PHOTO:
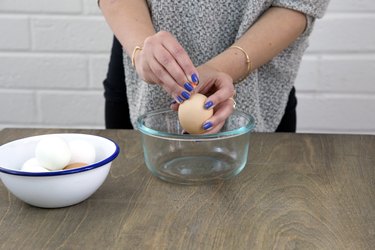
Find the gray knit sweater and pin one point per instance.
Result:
(205, 29)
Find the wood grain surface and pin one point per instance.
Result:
(298, 191)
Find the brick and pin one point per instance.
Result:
(349, 6)
(98, 67)
(308, 74)
(91, 7)
(343, 33)
(41, 6)
(72, 108)
(347, 74)
(18, 107)
(337, 74)
(77, 34)
(337, 113)
(48, 71)
(14, 32)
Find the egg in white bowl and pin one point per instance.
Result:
(51, 186)
(52, 152)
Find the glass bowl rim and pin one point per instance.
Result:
(250, 125)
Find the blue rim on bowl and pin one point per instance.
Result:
(186, 137)
(68, 171)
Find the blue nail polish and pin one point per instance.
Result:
(185, 94)
(207, 125)
(173, 102)
(194, 78)
(179, 99)
(208, 104)
(188, 87)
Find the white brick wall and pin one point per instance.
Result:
(53, 59)
(336, 86)
(54, 54)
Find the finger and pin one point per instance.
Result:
(222, 94)
(222, 112)
(144, 74)
(174, 106)
(182, 58)
(215, 129)
(168, 61)
(154, 72)
(168, 83)
(203, 88)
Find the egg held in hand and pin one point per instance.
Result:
(192, 114)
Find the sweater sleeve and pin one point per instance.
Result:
(312, 10)
(315, 9)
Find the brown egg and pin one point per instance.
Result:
(192, 114)
(75, 165)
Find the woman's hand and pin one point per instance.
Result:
(219, 89)
(164, 61)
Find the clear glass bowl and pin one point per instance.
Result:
(191, 159)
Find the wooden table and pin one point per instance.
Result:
(298, 191)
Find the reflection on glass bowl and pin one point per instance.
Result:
(190, 159)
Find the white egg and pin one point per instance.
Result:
(52, 152)
(82, 151)
(32, 165)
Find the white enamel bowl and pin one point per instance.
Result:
(59, 188)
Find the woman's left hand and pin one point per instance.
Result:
(219, 89)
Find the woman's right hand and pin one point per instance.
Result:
(219, 89)
(164, 61)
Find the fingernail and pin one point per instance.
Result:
(188, 87)
(208, 104)
(173, 102)
(207, 125)
(194, 78)
(185, 94)
(179, 99)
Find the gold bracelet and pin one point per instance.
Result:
(248, 61)
(133, 54)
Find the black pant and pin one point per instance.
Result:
(117, 108)
(116, 104)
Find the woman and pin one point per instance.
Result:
(257, 45)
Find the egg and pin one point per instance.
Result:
(52, 152)
(75, 165)
(32, 165)
(82, 151)
(192, 114)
